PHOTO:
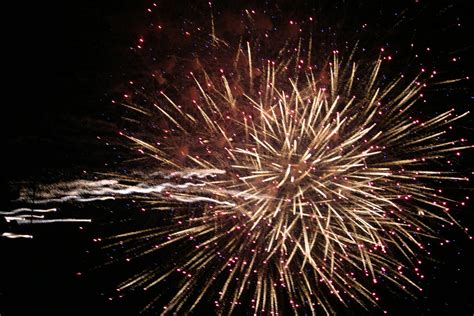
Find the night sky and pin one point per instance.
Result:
(71, 59)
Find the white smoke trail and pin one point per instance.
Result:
(29, 210)
(14, 236)
(56, 220)
(202, 173)
(109, 189)
(74, 198)
(194, 199)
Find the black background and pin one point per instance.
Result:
(66, 58)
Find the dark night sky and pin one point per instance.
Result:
(69, 57)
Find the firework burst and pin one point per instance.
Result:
(295, 185)
(271, 158)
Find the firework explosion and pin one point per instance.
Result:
(285, 179)
(306, 183)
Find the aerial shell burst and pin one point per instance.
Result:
(307, 185)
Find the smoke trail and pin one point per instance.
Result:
(83, 191)
(109, 189)
(15, 236)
